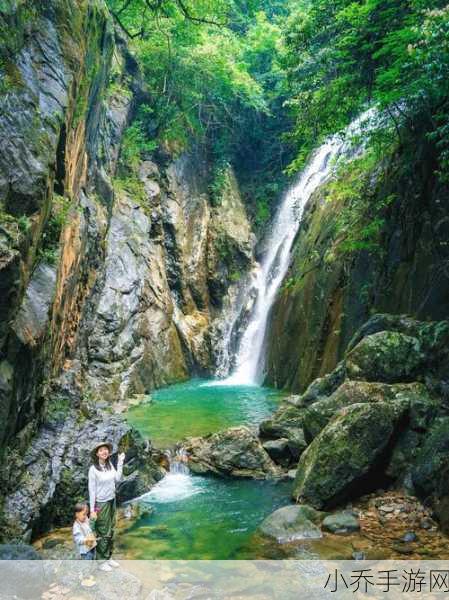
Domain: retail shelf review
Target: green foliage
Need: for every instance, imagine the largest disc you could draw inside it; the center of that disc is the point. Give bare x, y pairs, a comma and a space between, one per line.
14, 17
56, 409
262, 212
49, 249
341, 55
361, 216
24, 223
135, 145
235, 276
213, 77
219, 180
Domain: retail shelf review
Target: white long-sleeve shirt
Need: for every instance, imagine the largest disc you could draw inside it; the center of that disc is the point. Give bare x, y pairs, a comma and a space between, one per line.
80, 532
102, 483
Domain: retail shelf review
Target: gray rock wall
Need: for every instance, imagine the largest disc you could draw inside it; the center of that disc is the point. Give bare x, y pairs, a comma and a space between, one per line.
105, 290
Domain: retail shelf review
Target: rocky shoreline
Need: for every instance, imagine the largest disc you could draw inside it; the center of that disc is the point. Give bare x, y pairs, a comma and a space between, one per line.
380, 420
372, 434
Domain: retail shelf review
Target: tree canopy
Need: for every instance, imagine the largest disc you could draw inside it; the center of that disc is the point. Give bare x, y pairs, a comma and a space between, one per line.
261, 82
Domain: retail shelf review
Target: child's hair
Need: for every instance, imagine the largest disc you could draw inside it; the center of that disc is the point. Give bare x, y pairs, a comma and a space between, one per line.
79, 507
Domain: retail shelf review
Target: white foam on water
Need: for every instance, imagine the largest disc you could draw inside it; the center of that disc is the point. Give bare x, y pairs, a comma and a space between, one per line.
173, 488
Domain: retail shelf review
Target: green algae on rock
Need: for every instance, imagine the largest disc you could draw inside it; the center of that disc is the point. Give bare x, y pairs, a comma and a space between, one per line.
350, 447
387, 356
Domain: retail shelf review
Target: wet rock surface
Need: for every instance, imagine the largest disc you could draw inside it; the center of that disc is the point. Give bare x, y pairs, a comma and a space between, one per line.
107, 288
283, 434
341, 522
291, 523
333, 293
361, 433
380, 535
33, 316
235, 452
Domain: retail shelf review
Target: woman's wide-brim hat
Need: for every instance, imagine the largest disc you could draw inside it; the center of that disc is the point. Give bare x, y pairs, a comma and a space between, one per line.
100, 445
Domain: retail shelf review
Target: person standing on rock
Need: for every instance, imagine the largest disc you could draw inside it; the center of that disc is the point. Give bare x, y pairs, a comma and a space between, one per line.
103, 478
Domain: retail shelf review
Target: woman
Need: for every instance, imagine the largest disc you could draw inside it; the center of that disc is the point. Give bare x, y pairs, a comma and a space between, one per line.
103, 478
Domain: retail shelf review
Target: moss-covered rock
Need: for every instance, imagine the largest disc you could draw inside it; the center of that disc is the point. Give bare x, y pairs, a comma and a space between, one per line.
352, 446
386, 356
45, 491
341, 522
235, 452
432, 461
422, 406
330, 292
286, 424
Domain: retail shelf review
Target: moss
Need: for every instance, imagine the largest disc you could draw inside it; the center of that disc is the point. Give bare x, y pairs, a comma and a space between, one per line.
387, 356
235, 276
433, 459
134, 188
50, 238
219, 181
338, 461
135, 147
10, 77
56, 409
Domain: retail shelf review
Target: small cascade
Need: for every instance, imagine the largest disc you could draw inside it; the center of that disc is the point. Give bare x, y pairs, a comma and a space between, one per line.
178, 461
269, 275
177, 485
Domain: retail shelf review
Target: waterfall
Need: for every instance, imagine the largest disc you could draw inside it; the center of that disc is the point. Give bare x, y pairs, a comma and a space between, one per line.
178, 461
177, 484
270, 273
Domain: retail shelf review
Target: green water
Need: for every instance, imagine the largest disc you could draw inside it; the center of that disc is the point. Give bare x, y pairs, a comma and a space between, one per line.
201, 517
198, 407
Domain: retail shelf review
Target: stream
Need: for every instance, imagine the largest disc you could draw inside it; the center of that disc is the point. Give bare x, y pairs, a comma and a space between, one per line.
189, 513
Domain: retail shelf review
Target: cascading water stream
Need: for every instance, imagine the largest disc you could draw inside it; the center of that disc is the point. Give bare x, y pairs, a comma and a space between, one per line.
269, 275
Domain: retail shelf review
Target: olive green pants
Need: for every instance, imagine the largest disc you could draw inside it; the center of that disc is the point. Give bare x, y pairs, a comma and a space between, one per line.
104, 529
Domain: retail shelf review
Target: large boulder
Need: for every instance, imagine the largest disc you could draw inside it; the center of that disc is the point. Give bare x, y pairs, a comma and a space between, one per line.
423, 407
285, 428
352, 446
235, 452
430, 471
324, 386
432, 462
291, 523
387, 356
282, 423
278, 450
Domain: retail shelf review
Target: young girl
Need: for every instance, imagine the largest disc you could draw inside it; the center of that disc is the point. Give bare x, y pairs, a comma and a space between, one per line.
82, 533
103, 478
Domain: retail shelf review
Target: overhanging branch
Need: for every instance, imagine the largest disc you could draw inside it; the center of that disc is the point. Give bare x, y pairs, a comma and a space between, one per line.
157, 6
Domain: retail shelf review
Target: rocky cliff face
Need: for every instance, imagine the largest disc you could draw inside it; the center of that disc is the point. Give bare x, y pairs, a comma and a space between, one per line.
106, 289
332, 289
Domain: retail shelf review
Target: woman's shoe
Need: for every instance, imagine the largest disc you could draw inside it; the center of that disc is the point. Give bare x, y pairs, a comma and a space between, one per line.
105, 567
113, 563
